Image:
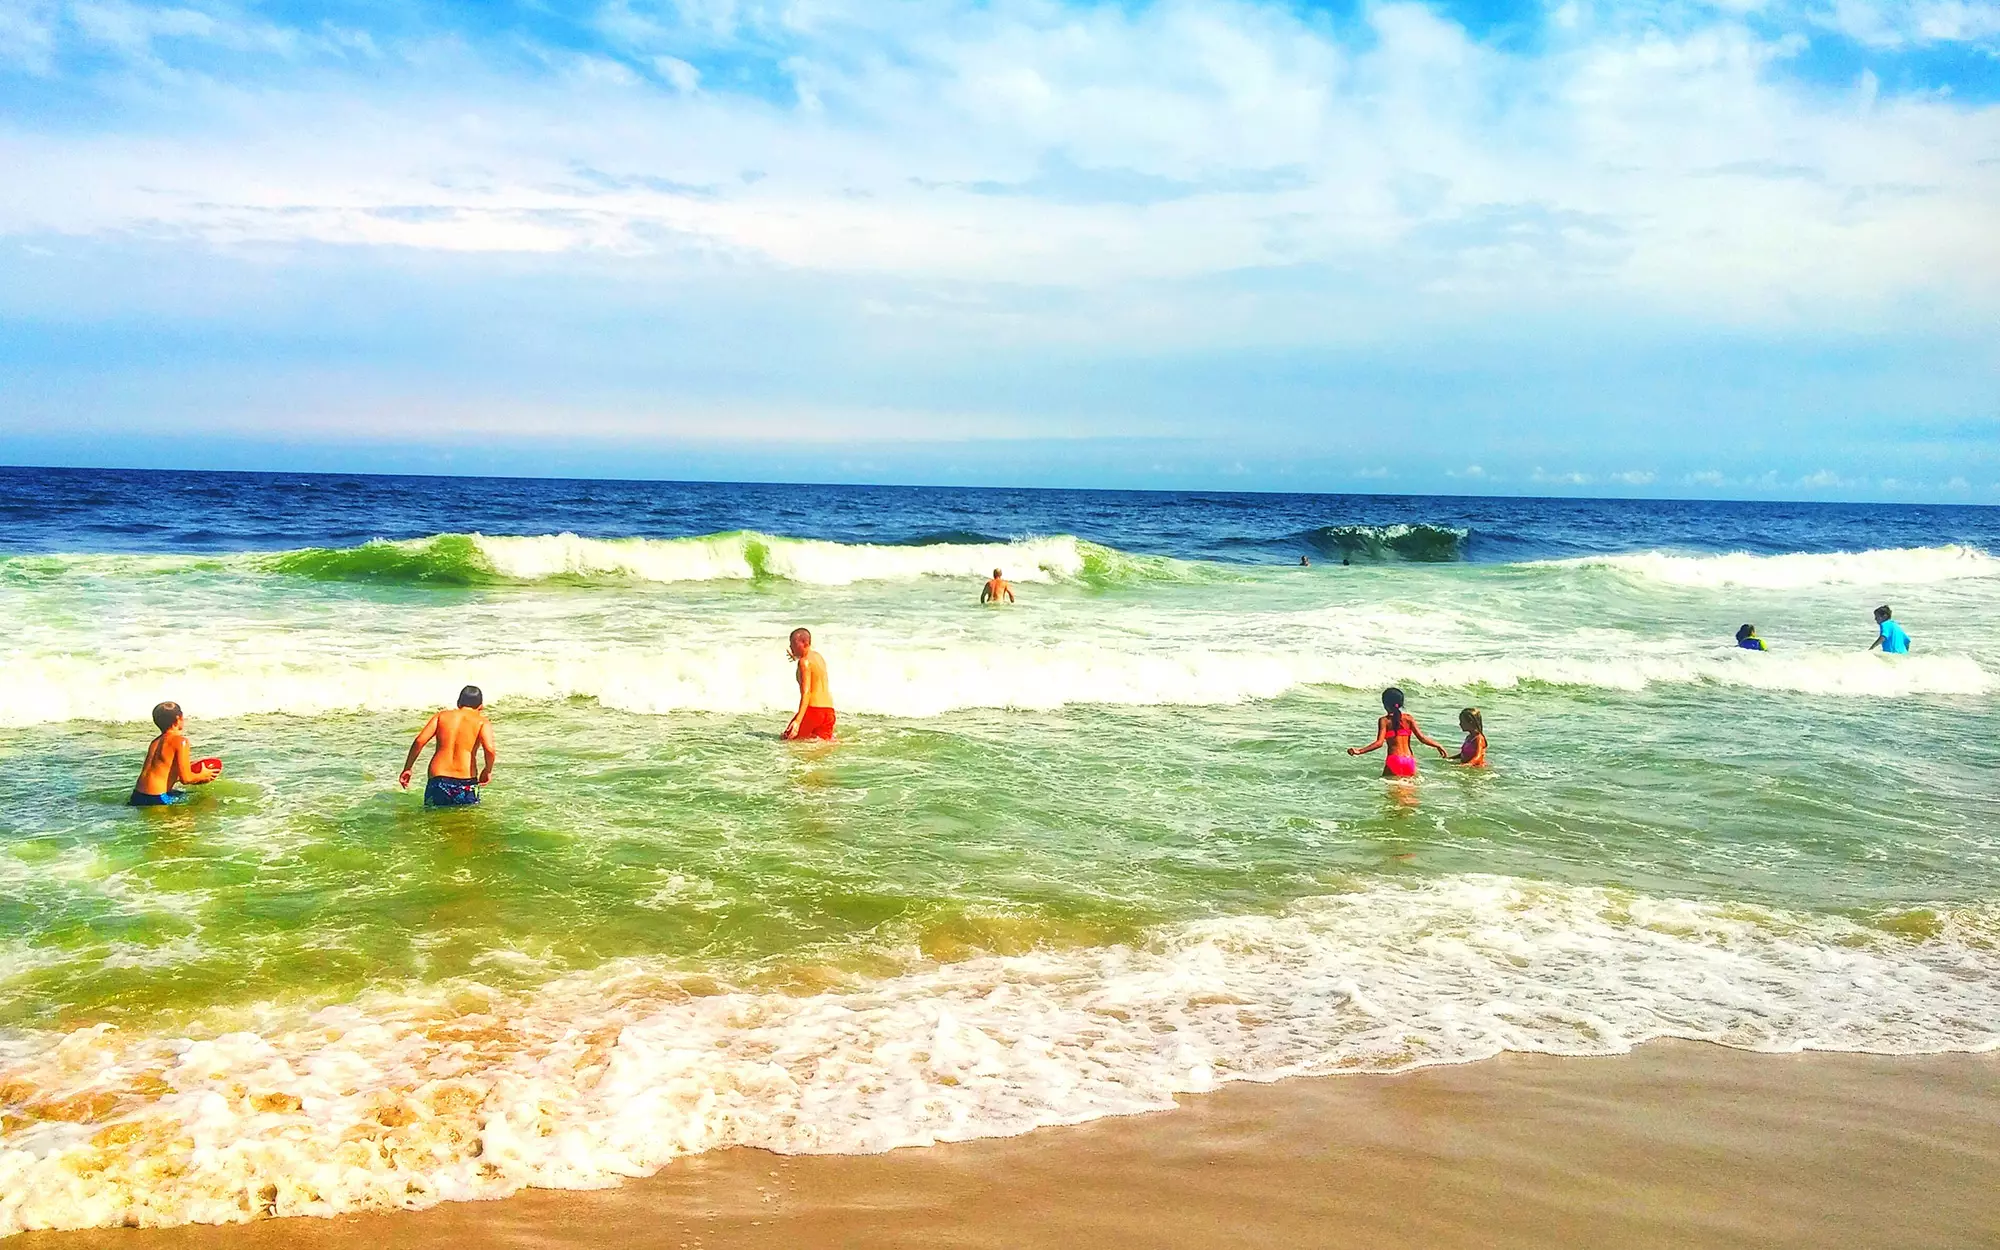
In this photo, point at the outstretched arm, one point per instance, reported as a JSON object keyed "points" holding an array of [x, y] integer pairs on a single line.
{"points": [[485, 744], [1381, 736], [1877, 642], [1425, 738], [182, 769], [424, 735]]}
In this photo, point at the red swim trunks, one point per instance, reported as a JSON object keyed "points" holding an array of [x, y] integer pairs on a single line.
{"points": [[816, 723]]}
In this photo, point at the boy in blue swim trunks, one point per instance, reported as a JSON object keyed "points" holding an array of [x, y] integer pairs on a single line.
{"points": [[1888, 635], [167, 764], [460, 733]]}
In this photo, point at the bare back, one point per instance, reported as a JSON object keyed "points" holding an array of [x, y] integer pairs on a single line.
{"points": [[812, 681], [165, 763], [460, 732]]}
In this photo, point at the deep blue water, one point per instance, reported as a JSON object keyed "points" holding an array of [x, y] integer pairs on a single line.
{"points": [[123, 510]]}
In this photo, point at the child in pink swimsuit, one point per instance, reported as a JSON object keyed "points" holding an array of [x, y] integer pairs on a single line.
{"points": [[1396, 729]]}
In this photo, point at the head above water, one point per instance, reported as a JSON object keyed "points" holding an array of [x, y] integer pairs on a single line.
{"points": [[1744, 631], [1392, 703], [1882, 613], [996, 575], [802, 641], [1471, 721], [471, 697], [166, 715]]}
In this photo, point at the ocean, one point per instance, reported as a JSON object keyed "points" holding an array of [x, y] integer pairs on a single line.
{"points": [[1067, 859]]}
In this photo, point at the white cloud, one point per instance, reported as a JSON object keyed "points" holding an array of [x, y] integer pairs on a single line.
{"points": [[1546, 478], [1706, 477], [1469, 471], [1905, 23], [1188, 142], [1634, 477]]}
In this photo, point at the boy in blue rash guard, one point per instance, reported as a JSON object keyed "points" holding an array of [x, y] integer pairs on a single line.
{"points": [[461, 733], [1746, 638], [1889, 636]]}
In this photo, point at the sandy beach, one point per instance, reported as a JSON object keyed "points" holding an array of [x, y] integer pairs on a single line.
{"points": [[1675, 1145]]}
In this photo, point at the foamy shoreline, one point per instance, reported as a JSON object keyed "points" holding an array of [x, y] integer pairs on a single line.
{"points": [[1678, 1144]]}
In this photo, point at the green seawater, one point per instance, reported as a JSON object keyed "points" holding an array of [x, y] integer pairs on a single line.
{"points": [[1095, 769]]}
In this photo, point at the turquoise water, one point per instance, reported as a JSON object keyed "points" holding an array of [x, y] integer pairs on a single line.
{"points": [[1066, 859]]}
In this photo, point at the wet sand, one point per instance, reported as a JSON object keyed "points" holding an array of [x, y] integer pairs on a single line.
{"points": [[1677, 1145]]}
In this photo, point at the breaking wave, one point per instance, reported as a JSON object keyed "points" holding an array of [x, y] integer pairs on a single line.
{"points": [[477, 559], [1429, 544], [893, 677], [462, 1092], [1904, 566]]}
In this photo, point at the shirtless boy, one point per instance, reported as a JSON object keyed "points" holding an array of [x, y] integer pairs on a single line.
{"points": [[461, 732], [995, 588], [167, 763], [814, 719]]}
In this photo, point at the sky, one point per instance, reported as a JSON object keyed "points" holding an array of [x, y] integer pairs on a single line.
{"points": [[1731, 249]]}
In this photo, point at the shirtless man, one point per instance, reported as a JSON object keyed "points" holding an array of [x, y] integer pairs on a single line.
{"points": [[814, 719], [461, 733], [167, 764], [995, 588]]}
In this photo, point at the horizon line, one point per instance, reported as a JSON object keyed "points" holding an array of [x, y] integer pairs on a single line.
{"points": [[959, 486]]}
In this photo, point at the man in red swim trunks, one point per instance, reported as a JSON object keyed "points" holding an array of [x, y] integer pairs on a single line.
{"points": [[814, 719]]}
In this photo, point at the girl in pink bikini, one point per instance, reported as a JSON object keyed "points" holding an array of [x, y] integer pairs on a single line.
{"points": [[1396, 729]]}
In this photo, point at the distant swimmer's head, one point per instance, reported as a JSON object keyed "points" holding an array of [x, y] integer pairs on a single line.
{"points": [[166, 715], [1882, 613], [802, 641], [1471, 721], [471, 697], [996, 575], [1745, 631]]}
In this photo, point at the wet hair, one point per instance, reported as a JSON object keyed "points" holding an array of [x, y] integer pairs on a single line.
{"points": [[1471, 721], [1882, 613], [996, 572], [471, 697], [165, 714], [1392, 703], [797, 634], [1744, 631]]}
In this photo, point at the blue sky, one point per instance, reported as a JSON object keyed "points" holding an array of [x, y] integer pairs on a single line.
{"points": [[1729, 249]]}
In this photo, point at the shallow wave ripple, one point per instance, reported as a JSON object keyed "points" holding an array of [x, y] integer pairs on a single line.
{"points": [[900, 679], [1912, 566], [462, 1093]]}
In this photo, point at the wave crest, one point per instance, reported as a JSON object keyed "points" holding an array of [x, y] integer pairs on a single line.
{"points": [[1428, 544], [1897, 566], [744, 555]]}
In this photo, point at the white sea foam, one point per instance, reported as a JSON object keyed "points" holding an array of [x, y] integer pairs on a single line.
{"points": [[744, 556], [463, 1093], [900, 679], [1910, 566]]}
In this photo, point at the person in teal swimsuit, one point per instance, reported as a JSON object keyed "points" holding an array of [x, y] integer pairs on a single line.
{"points": [[1889, 636]]}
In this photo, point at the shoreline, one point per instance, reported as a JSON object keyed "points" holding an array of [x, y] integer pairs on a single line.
{"points": [[1674, 1144]]}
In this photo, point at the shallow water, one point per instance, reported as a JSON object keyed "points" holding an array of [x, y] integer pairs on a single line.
{"points": [[1067, 858]]}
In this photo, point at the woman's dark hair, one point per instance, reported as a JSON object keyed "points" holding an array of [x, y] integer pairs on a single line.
{"points": [[1744, 631], [1392, 703]]}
